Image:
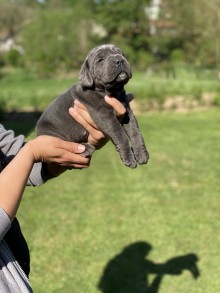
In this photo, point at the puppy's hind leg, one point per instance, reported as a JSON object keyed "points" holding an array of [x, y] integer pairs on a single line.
{"points": [[132, 130]]}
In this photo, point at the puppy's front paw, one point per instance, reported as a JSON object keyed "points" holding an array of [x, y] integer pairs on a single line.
{"points": [[89, 150], [141, 155]]}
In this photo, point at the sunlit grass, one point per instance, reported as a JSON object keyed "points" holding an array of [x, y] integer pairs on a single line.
{"points": [[21, 90], [79, 224]]}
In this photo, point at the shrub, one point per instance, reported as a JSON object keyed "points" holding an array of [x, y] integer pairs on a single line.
{"points": [[13, 58]]}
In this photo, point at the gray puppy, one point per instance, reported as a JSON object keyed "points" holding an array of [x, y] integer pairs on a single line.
{"points": [[104, 71]]}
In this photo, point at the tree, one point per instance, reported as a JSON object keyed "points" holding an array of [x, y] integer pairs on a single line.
{"points": [[125, 23], [197, 25], [61, 38], [59, 33], [13, 15]]}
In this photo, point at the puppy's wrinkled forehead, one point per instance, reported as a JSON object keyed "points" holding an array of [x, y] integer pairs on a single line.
{"points": [[103, 51]]}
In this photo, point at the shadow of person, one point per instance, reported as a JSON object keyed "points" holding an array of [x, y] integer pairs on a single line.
{"points": [[129, 271]]}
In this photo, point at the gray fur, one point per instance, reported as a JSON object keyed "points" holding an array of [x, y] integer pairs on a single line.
{"points": [[104, 71]]}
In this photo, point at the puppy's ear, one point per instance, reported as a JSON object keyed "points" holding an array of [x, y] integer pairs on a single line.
{"points": [[85, 76]]}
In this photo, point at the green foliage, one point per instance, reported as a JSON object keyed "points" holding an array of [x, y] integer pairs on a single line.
{"points": [[142, 60], [217, 99], [194, 25], [12, 15], [57, 34], [13, 58], [126, 26], [60, 40], [177, 55]]}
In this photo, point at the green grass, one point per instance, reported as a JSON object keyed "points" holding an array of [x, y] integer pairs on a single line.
{"points": [[86, 221], [34, 94], [158, 89], [21, 90]]}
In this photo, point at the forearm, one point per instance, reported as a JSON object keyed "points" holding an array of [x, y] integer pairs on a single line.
{"points": [[10, 146], [13, 180], [41, 149]]}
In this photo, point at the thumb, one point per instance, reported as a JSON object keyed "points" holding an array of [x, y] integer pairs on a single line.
{"points": [[73, 147]]}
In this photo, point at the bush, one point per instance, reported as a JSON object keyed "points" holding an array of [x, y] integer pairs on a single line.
{"points": [[217, 100], [13, 58], [57, 42], [177, 55]]}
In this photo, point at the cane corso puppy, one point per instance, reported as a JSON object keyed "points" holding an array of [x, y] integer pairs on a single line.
{"points": [[104, 71]]}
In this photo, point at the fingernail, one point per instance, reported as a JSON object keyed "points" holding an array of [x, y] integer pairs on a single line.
{"points": [[71, 110], [76, 102], [81, 147], [107, 98]]}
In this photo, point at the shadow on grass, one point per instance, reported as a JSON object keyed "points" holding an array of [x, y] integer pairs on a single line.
{"points": [[129, 271], [20, 122]]}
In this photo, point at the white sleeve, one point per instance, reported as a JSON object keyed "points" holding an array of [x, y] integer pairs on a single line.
{"points": [[5, 223], [10, 146]]}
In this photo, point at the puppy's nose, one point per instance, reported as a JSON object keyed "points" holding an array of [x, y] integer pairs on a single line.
{"points": [[119, 62]]}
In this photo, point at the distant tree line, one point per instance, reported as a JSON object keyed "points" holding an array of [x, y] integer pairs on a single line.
{"points": [[51, 35]]}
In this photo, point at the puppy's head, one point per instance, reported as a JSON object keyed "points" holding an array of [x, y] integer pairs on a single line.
{"points": [[105, 68]]}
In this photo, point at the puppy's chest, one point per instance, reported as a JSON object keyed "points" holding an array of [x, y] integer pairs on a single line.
{"points": [[88, 96]]}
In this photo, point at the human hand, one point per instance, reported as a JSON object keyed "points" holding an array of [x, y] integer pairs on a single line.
{"points": [[58, 154], [96, 137]]}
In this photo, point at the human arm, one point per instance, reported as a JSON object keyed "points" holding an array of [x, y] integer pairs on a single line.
{"points": [[41, 149], [10, 144]]}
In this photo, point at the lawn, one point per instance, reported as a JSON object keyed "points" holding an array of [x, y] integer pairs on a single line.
{"points": [[111, 229], [21, 91]]}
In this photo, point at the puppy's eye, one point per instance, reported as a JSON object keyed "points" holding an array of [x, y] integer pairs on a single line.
{"points": [[100, 60]]}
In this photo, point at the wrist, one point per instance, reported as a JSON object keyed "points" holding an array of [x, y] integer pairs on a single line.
{"points": [[29, 148]]}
